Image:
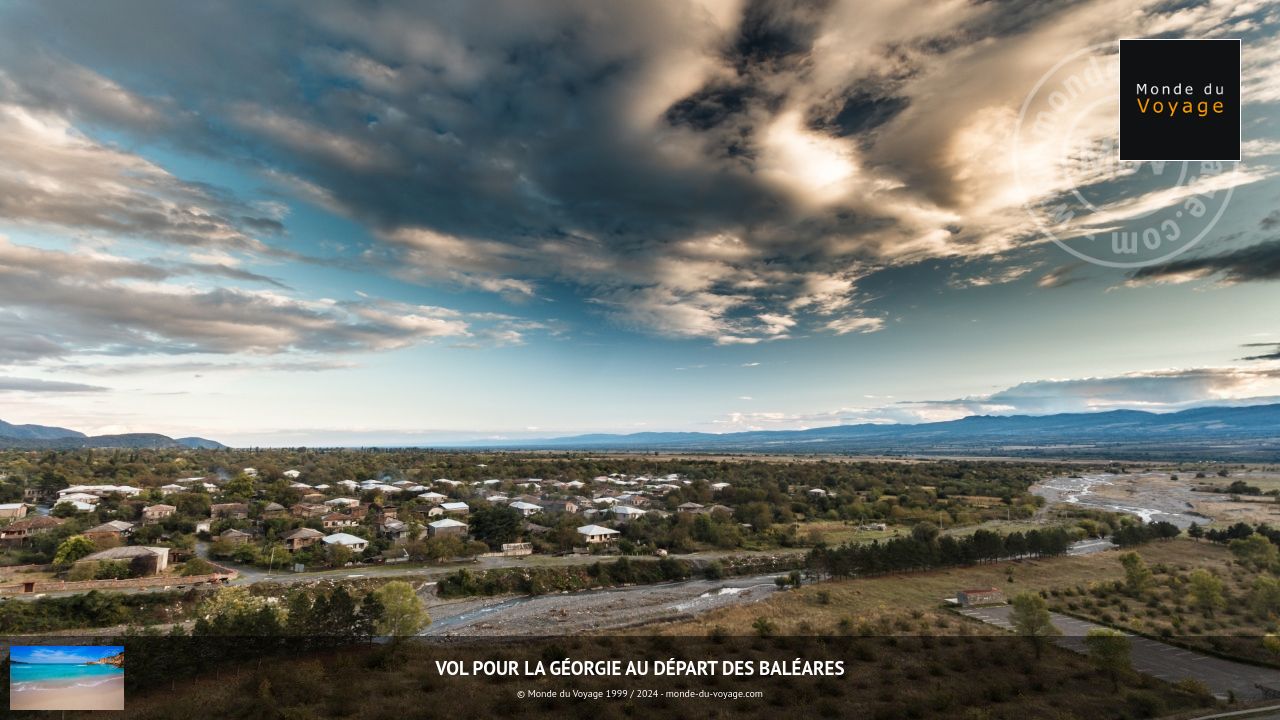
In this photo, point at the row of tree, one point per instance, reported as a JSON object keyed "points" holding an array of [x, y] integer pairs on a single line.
{"points": [[924, 549]]}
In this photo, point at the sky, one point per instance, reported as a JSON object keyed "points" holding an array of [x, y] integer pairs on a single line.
{"points": [[326, 222], [63, 654]]}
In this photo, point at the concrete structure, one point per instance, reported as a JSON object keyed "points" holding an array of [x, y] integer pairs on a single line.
{"points": [[229, 510], [20, 530], [116, 530], [447, 526], [234, 537], [356, 544], [13, 511], [525, 508], [302, 538], [980, 596], [152, 513], [595, 534], [148, 560]]}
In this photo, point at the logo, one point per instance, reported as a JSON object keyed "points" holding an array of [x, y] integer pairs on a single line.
{"points": [[1101, 209]]}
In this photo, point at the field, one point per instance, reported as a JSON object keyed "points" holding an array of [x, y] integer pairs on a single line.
{"points": [[1167, 609], [916, 599]]}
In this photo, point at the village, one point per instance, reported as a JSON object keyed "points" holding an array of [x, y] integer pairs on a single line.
{"points": [[197, 526]]}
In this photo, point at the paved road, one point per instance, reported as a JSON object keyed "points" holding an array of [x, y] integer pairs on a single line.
{"points": [[1161, 660], [1089, 547], [250, 575]]}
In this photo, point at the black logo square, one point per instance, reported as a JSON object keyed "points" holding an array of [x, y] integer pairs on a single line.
{"points": [[1179, 99]]}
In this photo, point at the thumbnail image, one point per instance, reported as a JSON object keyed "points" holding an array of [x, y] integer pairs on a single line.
{"points": [[66, 677]]}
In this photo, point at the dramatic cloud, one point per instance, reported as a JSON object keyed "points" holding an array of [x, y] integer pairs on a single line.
{"points": [[58, 302], [718, 169]]}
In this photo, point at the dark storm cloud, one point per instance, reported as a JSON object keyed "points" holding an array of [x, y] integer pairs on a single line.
{"points": [[1272, 351], [1248, 264]]}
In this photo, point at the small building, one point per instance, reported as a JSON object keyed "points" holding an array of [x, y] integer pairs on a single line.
{"points": [[397, 531], [689, 507], [13, 511], [274, 510], [302, 538], [626, 513], [20, 530], [308, 510], [980, 596], [145, 560], [447, 526], [354, 543], [232, 536], [525, 508], [229, 510], [596, 534], [337, 520], [116, 530], [153, 513], [561, 506], [455, 508]]}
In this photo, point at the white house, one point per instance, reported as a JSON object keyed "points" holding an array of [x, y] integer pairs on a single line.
{"points": [[356, 544], [292, 474], [433, 497], [594, 534], [342, 502], [171, 488], [526, 508], [626, 513]]}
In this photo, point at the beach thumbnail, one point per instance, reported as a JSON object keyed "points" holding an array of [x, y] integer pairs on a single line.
{"points": [[66, 677]]}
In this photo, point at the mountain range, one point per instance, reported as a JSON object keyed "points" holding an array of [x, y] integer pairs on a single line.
{"points": [[41, 437], [1251, 432]]}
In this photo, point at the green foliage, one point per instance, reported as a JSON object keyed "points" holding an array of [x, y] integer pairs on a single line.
{"points": [[72, 549], [1032, 620], [1137, 576], [1109, 652], [1255, 552], [403, 612], [1206, 591]]}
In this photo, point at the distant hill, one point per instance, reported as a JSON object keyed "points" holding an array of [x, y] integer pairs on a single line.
{"points": [[1251, 432], [36, 432], [199, 443], [42, 437]]}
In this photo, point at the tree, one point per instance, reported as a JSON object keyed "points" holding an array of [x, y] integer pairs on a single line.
{"points": [[1265, 597], [925, 532], [1109, 653], [338, 554], [1206, 591], [495, 525], [1137, 576], [1272, 643], [1031, 619], [1255, 552], [403, 612], [1195, 531], [72, 549]]}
